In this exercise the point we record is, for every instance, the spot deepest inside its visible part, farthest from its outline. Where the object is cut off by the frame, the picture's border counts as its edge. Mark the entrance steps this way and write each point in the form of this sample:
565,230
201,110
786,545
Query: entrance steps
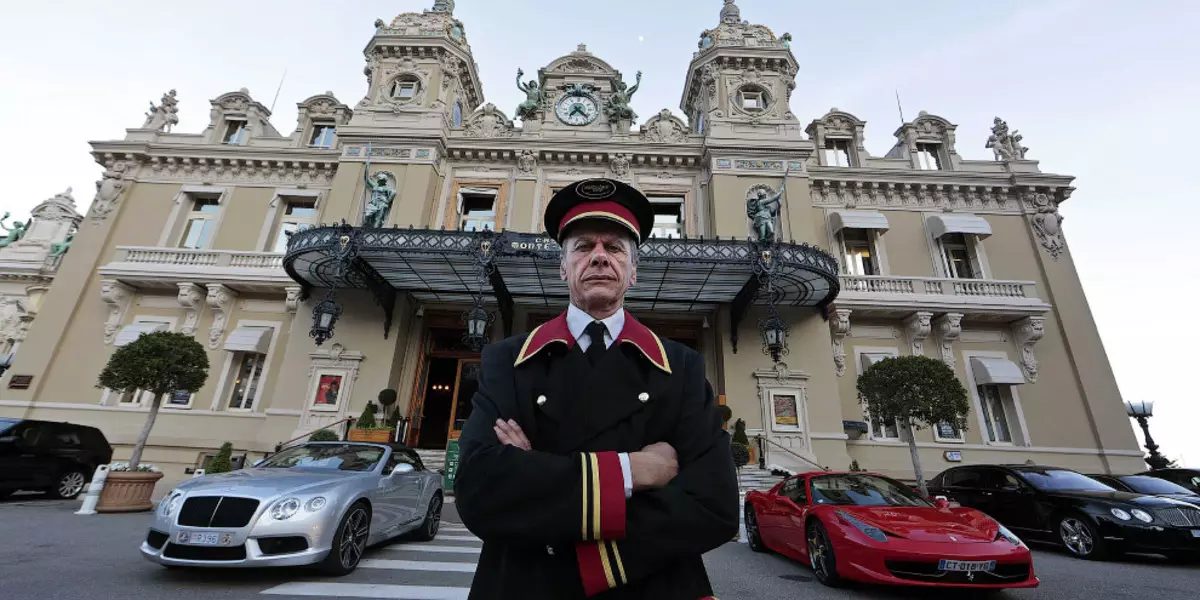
432,459
753,478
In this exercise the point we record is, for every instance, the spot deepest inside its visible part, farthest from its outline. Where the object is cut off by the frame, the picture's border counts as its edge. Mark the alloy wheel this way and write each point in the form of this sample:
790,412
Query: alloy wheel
71,484
753,537
1076,536
354,538
433,519
818,553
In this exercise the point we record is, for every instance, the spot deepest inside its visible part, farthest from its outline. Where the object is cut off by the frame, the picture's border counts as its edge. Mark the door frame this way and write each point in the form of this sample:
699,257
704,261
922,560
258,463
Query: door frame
450,434
416,408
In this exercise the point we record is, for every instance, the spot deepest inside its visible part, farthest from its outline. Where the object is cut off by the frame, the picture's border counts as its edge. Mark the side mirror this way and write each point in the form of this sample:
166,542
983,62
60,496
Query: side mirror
941,502
402,468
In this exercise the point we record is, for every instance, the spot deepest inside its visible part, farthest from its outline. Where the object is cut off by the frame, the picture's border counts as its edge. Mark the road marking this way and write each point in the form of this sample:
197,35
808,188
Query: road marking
458,538
431,548
417,565
369,590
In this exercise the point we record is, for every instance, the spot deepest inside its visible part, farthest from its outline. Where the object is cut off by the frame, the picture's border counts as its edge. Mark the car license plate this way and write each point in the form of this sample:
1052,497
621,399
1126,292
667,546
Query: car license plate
972,566
199,539
1196,533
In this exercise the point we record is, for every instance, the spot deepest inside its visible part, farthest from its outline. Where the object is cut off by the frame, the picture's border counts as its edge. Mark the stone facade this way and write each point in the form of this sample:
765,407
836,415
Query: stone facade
961,260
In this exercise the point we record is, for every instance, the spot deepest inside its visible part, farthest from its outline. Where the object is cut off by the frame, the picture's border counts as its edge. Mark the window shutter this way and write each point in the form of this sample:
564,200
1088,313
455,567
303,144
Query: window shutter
973,252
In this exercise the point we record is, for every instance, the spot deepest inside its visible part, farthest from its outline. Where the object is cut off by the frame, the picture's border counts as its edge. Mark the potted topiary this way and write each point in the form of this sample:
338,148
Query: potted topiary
160,363
324,435
367,429
223,461
740,445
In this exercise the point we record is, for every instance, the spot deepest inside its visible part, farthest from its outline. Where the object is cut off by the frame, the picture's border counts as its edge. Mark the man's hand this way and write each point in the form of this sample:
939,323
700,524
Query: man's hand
510,434
654,467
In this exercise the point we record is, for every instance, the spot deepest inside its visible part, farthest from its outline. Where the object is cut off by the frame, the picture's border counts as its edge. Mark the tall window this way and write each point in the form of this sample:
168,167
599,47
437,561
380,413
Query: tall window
960,256
457,114
837,153
298,215
995,403
236,132
247,378
198,232
405,88
322,135
668,217
929,157
859,257
880,431
477,211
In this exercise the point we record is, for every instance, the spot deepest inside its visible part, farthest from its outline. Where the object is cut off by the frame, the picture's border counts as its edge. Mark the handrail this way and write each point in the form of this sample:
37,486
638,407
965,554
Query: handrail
282,445
790,451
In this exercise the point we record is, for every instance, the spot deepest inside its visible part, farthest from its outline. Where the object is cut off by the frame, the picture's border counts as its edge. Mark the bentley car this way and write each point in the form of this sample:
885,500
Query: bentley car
1188,478
868,528
310,504
1060,506
1152,486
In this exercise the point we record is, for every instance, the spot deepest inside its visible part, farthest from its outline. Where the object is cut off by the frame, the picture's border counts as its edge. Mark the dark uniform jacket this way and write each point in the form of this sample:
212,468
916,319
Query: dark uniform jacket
554,520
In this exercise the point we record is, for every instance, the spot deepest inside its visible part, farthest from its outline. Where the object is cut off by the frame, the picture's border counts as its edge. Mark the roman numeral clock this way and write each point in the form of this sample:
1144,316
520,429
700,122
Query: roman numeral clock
578,106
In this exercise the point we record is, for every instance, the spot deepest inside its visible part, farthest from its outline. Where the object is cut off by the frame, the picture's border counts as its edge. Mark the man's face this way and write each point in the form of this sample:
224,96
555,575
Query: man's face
598,265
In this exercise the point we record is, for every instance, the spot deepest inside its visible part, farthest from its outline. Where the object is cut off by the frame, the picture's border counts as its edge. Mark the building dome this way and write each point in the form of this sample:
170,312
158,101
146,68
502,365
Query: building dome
733,31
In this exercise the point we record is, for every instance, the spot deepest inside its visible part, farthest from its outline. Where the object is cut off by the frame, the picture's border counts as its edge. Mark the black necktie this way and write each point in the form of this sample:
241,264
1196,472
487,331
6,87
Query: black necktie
595,330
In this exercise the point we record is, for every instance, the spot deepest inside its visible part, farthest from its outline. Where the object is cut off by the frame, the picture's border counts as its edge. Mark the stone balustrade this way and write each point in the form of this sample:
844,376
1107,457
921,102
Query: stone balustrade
876,284
165,267
890,296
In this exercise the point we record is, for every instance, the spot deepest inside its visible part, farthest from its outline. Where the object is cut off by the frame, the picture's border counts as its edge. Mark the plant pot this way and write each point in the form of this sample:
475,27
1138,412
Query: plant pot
374,436
128,491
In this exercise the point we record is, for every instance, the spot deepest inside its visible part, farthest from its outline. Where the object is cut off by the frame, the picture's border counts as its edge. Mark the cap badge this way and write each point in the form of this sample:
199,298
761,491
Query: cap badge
644,397
596,189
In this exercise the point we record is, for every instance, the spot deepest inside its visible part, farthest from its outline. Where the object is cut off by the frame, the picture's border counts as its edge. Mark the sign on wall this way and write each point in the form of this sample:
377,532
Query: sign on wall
785,410
451,465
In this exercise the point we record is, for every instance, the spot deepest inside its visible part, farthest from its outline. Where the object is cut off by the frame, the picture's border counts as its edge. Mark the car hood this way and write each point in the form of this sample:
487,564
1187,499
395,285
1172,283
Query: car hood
1192,499
927,524
265,483
1117,497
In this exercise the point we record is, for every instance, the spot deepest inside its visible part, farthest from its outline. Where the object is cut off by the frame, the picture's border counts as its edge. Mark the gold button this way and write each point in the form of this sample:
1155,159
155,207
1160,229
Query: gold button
644,397
549,550
541,400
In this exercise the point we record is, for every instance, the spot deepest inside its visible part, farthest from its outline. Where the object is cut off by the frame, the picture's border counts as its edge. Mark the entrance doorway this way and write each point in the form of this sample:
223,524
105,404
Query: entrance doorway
448,378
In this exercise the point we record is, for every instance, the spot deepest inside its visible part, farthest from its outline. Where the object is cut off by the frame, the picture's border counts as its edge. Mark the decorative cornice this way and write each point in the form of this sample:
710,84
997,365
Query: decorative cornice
1047,223
839,328
292,302
1026,333
190,298
220,300
947,329
917,327
118,296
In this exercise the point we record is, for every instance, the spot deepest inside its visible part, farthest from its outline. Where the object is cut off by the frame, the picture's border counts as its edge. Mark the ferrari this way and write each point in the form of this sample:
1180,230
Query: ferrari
868,528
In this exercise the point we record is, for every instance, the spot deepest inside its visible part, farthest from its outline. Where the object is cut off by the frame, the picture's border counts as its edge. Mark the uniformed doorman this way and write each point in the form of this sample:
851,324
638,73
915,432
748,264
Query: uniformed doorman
594,463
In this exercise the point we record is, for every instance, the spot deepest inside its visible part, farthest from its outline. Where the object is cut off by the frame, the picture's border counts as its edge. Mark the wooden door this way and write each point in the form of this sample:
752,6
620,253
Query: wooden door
466,383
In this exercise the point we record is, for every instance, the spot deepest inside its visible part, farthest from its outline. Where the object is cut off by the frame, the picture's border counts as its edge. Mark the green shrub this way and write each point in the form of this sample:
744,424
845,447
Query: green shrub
367,420
854,468
739,433
741,454
324,435
223,462
387,398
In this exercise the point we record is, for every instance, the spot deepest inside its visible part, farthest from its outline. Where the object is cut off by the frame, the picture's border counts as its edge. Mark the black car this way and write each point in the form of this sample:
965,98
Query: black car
1090,519
1188,478
1152,486
58,458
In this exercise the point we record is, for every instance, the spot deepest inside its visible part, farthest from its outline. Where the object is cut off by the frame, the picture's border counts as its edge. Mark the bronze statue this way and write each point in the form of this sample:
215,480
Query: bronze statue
763,209
382,196
532,105
14,234
618,104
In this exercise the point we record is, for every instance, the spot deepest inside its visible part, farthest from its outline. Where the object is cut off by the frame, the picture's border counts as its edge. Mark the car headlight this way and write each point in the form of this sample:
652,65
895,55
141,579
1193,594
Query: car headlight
285,509
870,531
171,504
315,504
1005,534
1120,514
1141,515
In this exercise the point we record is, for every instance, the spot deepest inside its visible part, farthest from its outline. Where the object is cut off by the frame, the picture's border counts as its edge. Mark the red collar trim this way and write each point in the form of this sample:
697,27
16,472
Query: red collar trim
645,341
550,332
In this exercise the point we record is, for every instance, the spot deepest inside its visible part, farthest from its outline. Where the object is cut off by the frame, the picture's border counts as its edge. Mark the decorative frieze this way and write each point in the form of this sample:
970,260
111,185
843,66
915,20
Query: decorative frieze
220,300
879,194
1026,333
948,329
191,297
758,165
242,171
839,328
917,327
1047,224
118,296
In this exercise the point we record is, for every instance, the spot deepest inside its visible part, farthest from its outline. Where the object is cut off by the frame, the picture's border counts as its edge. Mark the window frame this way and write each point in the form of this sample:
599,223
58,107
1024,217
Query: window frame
846,151
888,352
277,213
1018,426
404,79
287,202
675,200
225,385
318,125
932,150
210,218
452,218
243,132
873,244
976,255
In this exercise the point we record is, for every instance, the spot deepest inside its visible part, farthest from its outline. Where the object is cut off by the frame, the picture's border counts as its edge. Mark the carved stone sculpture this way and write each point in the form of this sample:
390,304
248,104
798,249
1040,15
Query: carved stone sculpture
292,299
489,123
14,234
191,298
531,108
164,116
664,129
117,296
108,191
619,163
917,327
948,328
382,195
1005,145
220,299
839,328
618,107
527,162
762,207
1026,333
1047,224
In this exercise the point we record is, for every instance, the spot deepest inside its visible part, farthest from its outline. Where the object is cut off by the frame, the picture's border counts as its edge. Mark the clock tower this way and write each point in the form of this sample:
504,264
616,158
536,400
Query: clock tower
578,99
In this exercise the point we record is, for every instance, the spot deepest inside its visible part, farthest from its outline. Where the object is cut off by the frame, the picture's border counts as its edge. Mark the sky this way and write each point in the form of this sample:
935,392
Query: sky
1104,90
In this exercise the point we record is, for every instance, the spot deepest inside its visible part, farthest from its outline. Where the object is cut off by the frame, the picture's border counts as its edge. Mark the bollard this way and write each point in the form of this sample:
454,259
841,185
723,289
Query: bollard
197,473
93,492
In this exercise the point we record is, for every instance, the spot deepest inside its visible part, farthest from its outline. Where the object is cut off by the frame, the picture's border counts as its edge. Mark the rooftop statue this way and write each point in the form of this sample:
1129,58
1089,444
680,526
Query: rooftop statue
532,105
618,104
1005,145
165,116
16,233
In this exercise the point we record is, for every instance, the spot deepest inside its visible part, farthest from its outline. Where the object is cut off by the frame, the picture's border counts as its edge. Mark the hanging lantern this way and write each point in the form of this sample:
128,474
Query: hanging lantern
478,323
774,333
325,316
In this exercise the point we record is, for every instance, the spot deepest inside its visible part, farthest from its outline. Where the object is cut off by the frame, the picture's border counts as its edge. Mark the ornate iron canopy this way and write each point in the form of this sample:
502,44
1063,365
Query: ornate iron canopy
682,275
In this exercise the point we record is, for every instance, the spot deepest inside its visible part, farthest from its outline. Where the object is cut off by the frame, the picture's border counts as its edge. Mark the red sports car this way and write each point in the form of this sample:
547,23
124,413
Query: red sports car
869,528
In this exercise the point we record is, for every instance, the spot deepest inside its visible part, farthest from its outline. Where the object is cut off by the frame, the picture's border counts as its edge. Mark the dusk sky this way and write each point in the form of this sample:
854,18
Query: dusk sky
1106,91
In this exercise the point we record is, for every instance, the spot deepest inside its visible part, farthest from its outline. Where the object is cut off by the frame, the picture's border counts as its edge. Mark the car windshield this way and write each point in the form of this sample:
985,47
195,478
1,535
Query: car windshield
6,424
1153,485
337,457
863,490
1054,480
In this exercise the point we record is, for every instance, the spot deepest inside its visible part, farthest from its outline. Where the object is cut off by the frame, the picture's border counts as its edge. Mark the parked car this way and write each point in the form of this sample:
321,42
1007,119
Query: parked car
1151,486
869,528
1188,478
319,503
57,458
1089,518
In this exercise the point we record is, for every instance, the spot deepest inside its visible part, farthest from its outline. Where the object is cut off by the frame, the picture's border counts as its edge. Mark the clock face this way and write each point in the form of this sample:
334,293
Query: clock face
577,110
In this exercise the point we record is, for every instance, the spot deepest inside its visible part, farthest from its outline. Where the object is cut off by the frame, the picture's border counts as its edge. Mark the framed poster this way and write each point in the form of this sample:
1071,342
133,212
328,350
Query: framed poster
786,414
329,391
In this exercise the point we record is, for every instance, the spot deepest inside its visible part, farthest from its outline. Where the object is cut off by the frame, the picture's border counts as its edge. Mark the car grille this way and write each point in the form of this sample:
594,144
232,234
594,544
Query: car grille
156,539
217,511
928,571
1180,517
182,552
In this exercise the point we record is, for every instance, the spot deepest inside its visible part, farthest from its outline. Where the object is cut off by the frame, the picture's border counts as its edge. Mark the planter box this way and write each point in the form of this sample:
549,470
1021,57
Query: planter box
375,436
128,491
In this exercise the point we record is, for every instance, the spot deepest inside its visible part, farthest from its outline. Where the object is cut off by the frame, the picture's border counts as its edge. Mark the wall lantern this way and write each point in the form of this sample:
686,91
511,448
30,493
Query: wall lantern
325,316
774,333
478,322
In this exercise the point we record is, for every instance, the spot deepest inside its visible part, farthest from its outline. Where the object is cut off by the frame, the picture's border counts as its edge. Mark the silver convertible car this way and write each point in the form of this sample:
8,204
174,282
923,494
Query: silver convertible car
319,503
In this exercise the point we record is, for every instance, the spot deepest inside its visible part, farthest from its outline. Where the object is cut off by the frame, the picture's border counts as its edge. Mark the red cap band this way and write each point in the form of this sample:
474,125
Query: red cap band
603,209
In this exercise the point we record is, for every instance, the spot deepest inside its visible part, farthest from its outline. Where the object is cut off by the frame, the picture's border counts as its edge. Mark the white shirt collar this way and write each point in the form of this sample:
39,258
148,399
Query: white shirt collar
578,320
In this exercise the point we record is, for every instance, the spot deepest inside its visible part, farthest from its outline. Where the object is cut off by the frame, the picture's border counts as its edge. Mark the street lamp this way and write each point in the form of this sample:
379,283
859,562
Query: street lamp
774,334
1142,411
325,316
478,320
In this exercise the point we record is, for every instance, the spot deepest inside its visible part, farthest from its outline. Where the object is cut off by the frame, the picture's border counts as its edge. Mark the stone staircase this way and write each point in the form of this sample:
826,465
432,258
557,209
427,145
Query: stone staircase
750,477
433,459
